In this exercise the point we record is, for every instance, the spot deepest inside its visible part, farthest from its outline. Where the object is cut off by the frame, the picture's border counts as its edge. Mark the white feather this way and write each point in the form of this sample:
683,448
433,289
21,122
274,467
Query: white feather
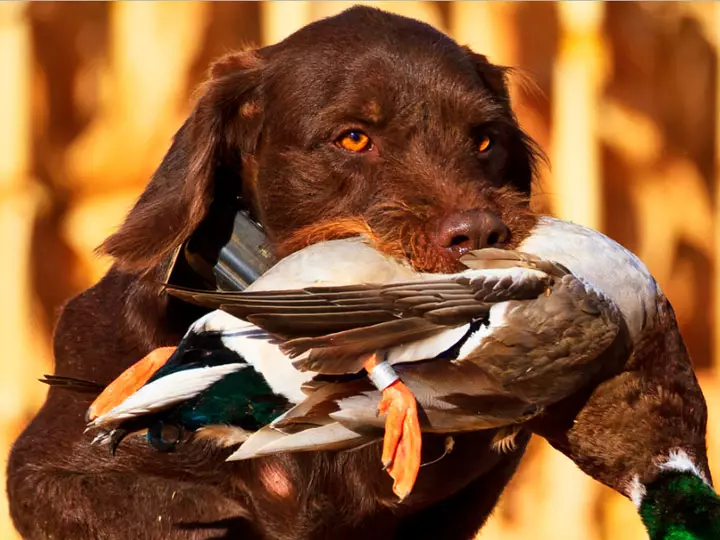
221,321
496,320
270,441
353,261
266,357
166,392
255,443
676,460
637,491
679,461
426,348
259,349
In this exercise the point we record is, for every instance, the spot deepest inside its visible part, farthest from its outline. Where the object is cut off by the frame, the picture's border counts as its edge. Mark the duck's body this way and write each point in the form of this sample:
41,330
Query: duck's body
576,347
512,339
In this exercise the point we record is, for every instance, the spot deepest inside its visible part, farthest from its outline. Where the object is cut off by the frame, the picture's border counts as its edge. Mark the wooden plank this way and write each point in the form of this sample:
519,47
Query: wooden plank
487,28
19,392
144,97
577,82
423,11
716,270
575,181
280,19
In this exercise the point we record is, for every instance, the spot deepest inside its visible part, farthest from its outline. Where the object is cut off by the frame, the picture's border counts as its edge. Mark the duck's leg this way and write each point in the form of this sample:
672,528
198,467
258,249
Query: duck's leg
129,381
402,444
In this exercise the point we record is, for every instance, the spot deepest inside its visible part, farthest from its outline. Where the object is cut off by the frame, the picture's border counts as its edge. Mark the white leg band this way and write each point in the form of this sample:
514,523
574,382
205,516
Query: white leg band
383,375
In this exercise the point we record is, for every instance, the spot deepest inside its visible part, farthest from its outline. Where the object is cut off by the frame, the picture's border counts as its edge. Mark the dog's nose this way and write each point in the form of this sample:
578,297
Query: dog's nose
473,229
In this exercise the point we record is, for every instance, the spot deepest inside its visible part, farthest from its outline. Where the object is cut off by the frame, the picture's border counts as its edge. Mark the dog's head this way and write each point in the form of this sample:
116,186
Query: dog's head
365,122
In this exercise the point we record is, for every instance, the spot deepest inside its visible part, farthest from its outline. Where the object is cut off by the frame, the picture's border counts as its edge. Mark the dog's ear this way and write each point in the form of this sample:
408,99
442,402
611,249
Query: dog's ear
204,161
525,154
493,76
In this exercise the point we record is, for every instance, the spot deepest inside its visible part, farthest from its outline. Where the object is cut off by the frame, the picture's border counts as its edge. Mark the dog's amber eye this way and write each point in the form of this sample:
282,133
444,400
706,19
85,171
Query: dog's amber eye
354,141
484,144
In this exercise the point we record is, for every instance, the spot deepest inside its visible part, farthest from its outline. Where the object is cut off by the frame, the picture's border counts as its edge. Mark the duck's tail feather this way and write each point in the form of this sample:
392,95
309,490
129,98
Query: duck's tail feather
268,440
129,382
322,402
72,383
335,416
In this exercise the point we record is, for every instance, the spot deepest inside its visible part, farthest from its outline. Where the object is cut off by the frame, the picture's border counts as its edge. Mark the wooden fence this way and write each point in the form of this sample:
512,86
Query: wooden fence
623,97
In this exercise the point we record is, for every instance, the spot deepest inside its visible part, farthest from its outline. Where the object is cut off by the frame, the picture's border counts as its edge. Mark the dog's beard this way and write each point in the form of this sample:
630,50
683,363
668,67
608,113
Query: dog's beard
404,241
404,231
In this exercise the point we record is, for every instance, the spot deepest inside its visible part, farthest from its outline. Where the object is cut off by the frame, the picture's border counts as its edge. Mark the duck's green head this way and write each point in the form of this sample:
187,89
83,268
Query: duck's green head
680,505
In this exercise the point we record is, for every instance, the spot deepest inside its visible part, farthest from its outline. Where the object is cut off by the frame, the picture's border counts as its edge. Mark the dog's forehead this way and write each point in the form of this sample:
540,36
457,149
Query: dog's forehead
377,91
366,41
360,26
371,64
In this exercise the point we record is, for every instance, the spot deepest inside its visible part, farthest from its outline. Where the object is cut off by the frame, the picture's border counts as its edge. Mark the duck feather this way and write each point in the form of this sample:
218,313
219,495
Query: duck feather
337,325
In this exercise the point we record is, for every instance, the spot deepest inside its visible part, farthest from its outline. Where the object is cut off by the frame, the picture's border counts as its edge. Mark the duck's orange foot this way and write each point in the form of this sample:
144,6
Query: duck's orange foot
402,444
129,382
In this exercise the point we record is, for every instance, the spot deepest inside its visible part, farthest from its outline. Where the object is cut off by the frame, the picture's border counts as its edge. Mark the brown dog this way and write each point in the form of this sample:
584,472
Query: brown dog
362,122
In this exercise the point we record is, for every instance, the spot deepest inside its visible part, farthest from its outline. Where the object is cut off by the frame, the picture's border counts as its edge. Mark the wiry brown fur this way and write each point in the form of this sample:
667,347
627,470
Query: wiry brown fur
404,230
262,132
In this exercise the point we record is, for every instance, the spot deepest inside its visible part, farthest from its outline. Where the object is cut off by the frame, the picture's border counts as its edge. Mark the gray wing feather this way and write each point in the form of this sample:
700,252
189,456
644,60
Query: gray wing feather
339,324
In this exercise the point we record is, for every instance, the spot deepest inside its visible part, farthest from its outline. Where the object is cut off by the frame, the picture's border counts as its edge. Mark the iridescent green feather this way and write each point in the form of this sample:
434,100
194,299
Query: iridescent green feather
681,506
241,399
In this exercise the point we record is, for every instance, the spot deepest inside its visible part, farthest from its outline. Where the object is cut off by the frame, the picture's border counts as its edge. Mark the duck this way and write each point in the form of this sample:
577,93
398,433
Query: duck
573,311
502,364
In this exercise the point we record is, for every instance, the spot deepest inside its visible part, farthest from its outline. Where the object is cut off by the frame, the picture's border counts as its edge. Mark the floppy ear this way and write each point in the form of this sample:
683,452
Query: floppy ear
204,160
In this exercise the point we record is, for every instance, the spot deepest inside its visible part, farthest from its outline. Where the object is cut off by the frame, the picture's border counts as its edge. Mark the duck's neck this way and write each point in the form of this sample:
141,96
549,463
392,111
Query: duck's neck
680,505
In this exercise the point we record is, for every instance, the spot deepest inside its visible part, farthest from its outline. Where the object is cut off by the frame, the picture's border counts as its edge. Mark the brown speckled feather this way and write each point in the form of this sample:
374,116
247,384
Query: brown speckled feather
543,351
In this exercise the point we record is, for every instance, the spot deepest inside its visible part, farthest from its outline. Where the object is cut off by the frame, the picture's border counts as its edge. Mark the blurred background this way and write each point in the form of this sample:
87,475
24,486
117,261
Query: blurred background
623,97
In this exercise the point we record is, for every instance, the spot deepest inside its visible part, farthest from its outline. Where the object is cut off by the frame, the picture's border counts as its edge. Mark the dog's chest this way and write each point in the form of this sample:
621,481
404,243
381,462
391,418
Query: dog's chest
471,457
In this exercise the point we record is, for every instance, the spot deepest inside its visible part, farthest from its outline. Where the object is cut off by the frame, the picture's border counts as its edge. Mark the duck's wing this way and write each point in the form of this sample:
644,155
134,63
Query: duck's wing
529,354
336,325
72,383
536,352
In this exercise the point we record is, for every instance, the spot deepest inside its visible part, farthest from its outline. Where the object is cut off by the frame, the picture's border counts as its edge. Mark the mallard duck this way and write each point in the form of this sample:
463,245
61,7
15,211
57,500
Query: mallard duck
509,327
577,320
405,318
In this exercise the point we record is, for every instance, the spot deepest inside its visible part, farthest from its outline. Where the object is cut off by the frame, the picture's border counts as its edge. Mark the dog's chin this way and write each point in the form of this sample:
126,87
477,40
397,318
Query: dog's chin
404,240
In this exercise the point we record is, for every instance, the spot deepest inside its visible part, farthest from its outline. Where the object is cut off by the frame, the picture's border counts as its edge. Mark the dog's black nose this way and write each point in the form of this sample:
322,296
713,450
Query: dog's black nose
473,229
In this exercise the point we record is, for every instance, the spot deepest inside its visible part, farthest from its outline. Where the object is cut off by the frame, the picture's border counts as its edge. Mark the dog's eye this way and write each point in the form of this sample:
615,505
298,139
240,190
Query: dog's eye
484,144
354,141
